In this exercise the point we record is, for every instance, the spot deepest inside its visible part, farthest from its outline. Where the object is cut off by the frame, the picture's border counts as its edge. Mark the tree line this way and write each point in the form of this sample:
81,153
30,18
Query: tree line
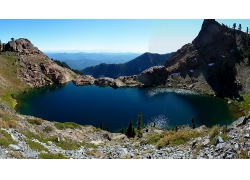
130,132
65,65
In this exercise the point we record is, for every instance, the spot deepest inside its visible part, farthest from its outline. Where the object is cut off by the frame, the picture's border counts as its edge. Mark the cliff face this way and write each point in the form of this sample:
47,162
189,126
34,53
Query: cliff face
34,68
217,62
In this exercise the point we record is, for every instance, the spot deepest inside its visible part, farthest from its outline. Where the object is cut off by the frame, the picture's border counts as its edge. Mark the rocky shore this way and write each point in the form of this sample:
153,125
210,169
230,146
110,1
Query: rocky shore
29,140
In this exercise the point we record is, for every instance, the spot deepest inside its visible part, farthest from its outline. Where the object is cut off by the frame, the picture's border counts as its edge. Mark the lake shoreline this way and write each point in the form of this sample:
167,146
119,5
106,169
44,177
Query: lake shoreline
151,92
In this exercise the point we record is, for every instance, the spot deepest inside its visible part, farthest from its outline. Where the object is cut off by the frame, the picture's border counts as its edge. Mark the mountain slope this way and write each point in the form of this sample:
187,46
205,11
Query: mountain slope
25,66
132,67
216,62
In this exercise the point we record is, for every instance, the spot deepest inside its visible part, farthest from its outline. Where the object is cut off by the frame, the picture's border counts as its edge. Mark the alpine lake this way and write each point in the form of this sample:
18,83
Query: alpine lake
88,105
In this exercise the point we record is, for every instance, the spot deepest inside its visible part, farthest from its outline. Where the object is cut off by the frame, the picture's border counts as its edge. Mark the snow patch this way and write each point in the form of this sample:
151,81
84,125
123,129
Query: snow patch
175,74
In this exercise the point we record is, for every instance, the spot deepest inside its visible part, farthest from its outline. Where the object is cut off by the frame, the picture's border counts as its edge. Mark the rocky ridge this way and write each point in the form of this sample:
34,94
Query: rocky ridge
33,67
216,62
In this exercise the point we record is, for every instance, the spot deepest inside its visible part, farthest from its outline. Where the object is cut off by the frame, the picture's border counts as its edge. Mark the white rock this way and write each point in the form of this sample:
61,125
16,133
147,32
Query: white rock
14,147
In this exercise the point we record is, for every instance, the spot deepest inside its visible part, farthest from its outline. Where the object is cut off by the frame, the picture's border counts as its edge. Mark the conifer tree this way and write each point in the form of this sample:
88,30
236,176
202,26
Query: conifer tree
139,121
193,123
122,130
239,28
133,132
130,132
107,128
192,120
101,125
234,25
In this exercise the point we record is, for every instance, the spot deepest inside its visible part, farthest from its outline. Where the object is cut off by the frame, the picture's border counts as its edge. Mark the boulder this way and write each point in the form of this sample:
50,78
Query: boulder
156,75
14,147
22,45
106,136
246,135
2,154
241,121
218,140
229,128
205,142
105,81
84,80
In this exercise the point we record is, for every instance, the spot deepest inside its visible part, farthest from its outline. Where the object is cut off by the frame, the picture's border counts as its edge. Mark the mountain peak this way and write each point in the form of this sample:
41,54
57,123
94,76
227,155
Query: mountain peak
22,45
210,28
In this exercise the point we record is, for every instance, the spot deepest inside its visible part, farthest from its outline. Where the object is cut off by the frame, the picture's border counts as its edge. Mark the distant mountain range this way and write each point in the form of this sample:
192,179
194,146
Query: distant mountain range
82,60
132,67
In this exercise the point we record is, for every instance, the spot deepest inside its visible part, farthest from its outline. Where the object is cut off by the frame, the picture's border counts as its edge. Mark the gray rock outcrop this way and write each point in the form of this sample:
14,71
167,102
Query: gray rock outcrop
156,75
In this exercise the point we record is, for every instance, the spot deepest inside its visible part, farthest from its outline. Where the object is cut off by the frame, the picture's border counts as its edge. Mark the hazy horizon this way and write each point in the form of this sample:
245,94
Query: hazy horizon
107,35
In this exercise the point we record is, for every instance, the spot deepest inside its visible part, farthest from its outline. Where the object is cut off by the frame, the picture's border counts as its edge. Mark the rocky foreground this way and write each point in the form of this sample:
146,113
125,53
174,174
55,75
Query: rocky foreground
33,138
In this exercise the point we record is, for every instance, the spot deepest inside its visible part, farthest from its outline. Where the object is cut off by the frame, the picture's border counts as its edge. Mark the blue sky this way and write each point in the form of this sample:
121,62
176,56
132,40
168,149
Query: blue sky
107,35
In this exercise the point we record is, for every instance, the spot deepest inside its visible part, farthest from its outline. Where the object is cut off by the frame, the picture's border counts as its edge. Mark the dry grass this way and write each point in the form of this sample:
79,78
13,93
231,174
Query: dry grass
214,131
243,154
16,154
52,156
127,156
173,138
3,124
8,124
92,153
35,121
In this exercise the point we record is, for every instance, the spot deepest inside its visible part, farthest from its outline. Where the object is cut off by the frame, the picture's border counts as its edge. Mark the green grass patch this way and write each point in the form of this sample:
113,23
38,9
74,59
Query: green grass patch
66,144
152,139
177,142
48,129
52,156
71,125
20,92
6,139
40,137
223,136
10,84
245,104
35,145
97,130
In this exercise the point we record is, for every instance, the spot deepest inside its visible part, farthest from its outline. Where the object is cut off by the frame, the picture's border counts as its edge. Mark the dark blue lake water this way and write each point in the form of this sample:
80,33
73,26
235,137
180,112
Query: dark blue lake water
88,105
